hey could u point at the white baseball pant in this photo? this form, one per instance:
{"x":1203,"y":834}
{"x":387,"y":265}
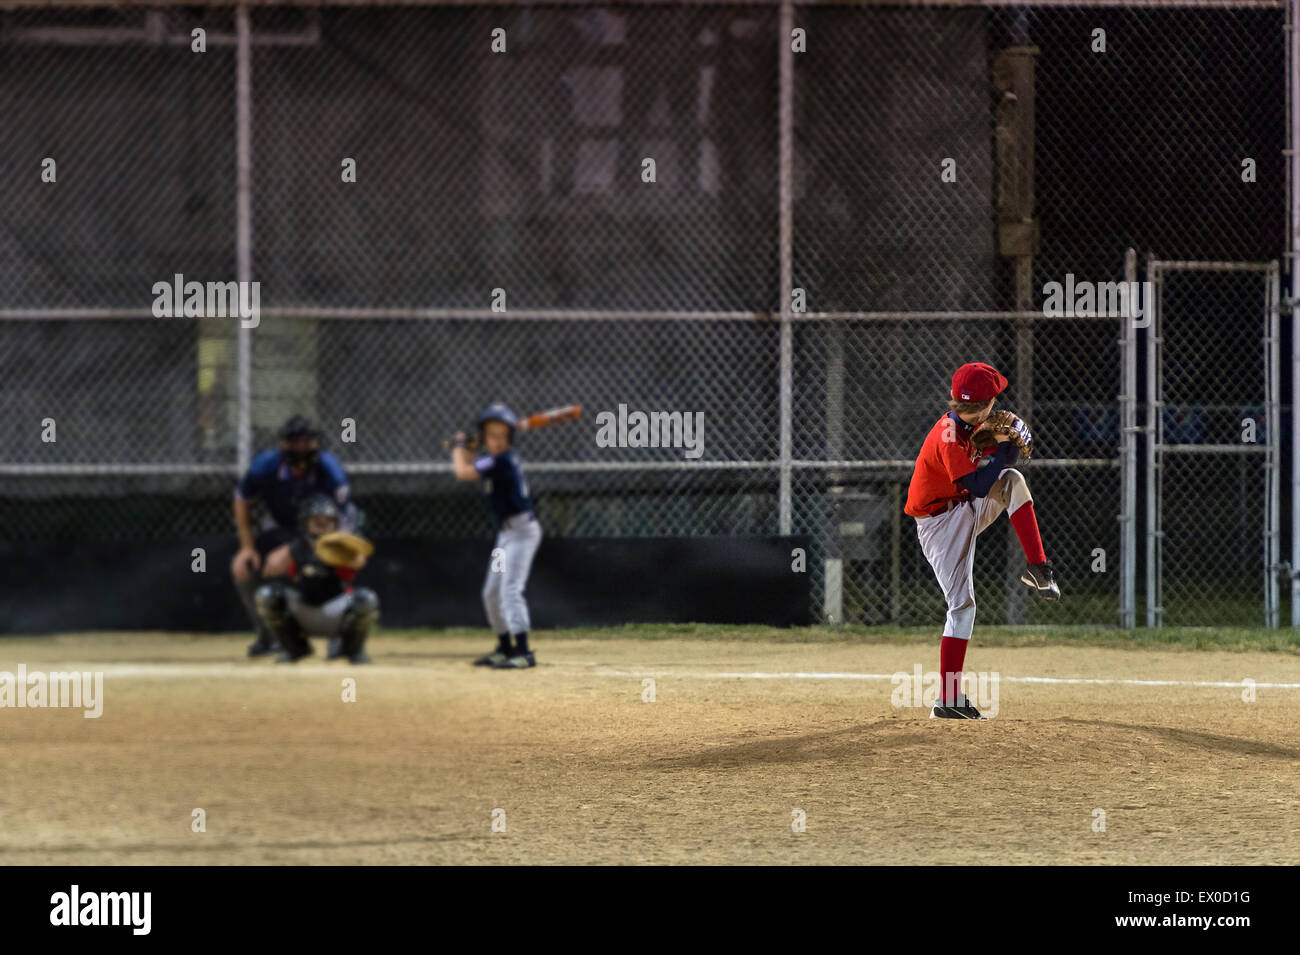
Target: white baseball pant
{"x":948,"y":542}
{"x":324,"y":620}
{"x":512,"y":557}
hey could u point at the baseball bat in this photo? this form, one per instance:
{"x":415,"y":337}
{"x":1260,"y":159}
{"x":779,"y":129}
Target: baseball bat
{"x":541,"y":419}
{"x":544,"y":419}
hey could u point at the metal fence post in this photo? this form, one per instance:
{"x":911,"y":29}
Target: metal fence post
{"x":1128,"y":449}
{"x":786,"y":121}
{"x":1293,"y":222}
{"x":1152,"y":437}
{"x":1272,"y":408}
{"x":244,"y":229}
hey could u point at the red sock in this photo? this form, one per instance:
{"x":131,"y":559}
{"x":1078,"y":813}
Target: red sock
{"x":1026,"y":525}
{"x":952,"y":654}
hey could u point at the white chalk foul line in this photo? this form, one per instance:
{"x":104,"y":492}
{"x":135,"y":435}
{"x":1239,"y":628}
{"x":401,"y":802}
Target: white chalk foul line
{"x":181,"y":670}
{"x":1238,"y":684}
{"x":169,"y":671}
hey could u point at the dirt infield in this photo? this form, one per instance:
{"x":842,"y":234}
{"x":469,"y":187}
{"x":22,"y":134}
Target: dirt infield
{"x":738,"y":737}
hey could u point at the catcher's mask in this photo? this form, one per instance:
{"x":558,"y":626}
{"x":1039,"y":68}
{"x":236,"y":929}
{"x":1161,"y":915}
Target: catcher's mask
{"x":318,"y":505}
{"x":497,"y":412}
{"x":300,"y":443}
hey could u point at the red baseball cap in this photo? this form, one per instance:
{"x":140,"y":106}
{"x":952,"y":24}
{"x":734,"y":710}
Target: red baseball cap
{"x":977,"y":381}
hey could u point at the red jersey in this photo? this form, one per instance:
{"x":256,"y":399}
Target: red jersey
{"x":944,"y":458}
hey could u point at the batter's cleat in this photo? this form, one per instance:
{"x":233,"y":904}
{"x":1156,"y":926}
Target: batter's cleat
{"x":359,"y":657}
{"x":962,"y":710}
{"x":293,"y":656}
{"x":335,"y":648}
{"x":491,"y":659}
{"x":519,"y":661}
{"x":1040,"y":578}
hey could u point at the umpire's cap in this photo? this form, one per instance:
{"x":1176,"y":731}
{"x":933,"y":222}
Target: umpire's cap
{"x":298,"y":427}
{"x":497,"y":412}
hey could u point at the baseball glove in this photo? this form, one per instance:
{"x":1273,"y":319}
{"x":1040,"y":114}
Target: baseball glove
{"x":1001,"y":422}
{"x":343,"y":549}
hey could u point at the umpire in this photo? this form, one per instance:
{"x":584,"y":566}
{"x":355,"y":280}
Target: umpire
{"x":281,"y":478}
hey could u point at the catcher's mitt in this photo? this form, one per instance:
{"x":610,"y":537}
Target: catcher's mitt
{"x":1001,"y":422}
{"x":343,"y":549}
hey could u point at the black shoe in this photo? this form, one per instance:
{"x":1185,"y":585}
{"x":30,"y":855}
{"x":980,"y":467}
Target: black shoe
{"x":264,"y":644}
{"x":491,"y":659}
{"x":359,"y":657}
{"x":1039,"y":577}
{"x":962,"y":710}
{"x":293,"y":656}
{"x":518,"y":661}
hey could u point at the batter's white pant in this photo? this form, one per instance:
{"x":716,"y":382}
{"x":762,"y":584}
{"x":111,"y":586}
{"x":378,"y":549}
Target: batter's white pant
{"x":512,"y":557}
{"x":948,"y":542}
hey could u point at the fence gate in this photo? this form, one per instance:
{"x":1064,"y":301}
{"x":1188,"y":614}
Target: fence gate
{"x":1212,"y":476}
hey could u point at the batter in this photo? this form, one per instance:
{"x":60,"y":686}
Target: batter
{"x":518,"y":533}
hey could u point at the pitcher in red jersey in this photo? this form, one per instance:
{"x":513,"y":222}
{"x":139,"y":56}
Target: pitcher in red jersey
{"x":955,"y":494}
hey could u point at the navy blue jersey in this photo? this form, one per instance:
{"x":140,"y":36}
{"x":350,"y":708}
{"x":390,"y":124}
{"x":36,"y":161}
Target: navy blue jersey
{"x":270,"y":481}
{"x":504,"y":485}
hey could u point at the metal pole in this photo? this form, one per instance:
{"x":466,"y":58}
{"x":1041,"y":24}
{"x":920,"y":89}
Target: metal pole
{"x":834,"y":576}
{"x":786,"y":185}
{"x":244,"y":230}
{"x":1293,"y":142}
{"x":1024,"y":384}
{"x":1152,"y":438}
{"x":895,"y":553}
{"x":1274,"y":555}
{"x":1128,"y":454}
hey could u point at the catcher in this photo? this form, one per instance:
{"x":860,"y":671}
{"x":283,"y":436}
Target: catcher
{"x":315,"y":597}
{"x":962,"y":481}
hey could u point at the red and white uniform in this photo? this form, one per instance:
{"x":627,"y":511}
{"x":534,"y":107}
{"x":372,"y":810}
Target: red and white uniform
{"x":949,"y":518}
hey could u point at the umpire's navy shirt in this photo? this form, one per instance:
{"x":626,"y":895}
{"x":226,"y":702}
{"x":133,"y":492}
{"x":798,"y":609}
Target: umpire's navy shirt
{"x":270,"y":480}
{"x":504,"y":485}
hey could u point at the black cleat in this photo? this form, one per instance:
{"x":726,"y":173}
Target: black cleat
{"x":293,"y":656}
{"x":491,"y":659}
{"x":264,"y":645}
{"x":519,"y":661}
{"x":359,"y":657}
{"x":962,"y":710}
{"x":1040,"y":578}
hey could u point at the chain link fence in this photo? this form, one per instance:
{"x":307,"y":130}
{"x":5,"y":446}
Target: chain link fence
{"x":504,"y":238}
{"x":1214,"y":532}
